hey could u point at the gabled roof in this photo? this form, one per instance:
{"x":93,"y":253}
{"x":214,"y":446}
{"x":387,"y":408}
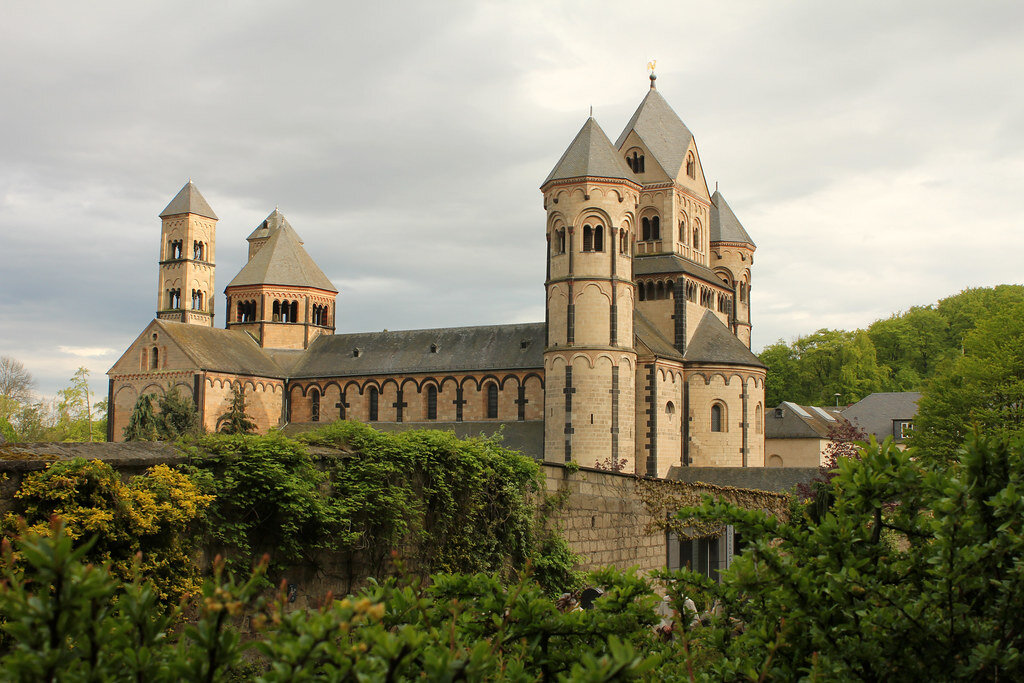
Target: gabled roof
{"x":875,"y":413}
{"x":712,"y":342}
{"x":270,"y":225}
{"x":283,"y":261}
{"x":673,"y":264}
{"x":662,"y":131}
{"x":443,"y":351}
{"x":725,"y":227}
{"x":792,"y":421}
{"x":590,"y":154}
{"x":189,"y":200}
{"x":647,"y":338}
{"x":220,"y":350}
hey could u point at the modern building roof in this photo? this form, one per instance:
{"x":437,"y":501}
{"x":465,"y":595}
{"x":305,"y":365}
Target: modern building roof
{"x":220,"y":350}
{"x":270,"y":225}
{"x":725,"y":227}
{"x":443,"y":350}
{"x":712,"y":342}
{"x":876,"y":413}
{"x":189,"y":200}
{"x":662,"y":131}
{"x":590,"y":154}
{"x":670,"y":264}
{"x":283,"y":261}
{"x":792,"y":421}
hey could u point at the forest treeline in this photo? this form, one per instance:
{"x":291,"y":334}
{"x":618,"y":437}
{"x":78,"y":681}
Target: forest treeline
{"x":899,"y":353}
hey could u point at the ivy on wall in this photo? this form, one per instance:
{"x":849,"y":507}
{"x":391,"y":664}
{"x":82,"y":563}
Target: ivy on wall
{"x":664,"y":499}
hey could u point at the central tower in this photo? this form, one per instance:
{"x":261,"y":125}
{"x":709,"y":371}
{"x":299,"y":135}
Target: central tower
{"x":591,"y":198}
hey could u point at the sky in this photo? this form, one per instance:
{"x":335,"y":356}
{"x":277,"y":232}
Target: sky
{"x":874,"y":151}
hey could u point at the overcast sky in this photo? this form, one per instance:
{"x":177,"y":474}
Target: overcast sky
{"x":873,"y":151}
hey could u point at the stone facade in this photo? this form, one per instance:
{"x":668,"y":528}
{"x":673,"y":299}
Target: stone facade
{"x":642,"y":360}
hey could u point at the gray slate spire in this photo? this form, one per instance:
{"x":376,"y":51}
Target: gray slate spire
{"x":269,"y":226}
{"x":590,"y":154}
{"x":712,"y":342}
{"x":189,"y":200}
{"x":662,"y":131}
{"x":725,"y":227}
{"x":283,"y":261}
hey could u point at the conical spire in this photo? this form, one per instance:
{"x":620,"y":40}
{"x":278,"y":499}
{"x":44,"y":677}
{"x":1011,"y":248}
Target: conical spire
{"x":590,"y":154}
{"x":189,"y":200}
{"x":725,"y":227}
{"x":270,"y":225}
{"x":283,"y":261}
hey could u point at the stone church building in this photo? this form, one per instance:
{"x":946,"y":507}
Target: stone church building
{"x":643,"y":356}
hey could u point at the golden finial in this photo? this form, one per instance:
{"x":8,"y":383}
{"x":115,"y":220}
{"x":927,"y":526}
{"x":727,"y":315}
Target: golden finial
{"x":650,"y":67}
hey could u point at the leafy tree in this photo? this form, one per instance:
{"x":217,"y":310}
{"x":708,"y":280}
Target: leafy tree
{"x":914,"y":573}
{"x":818,"y":366}
{"x":984,"y":387}
{"x":16,"y":381}
{"x":74,"y":410}
{"x":178,"y":415}
{"x":142,"y":425}
{"x":236,"y":420}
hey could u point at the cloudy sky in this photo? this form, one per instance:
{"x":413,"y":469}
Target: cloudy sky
{"x":873,"y":150}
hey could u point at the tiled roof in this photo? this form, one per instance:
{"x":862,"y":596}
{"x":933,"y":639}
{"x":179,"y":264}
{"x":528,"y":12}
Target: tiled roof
{"x":443,"y":350}
{"x":283,"y":261}
{"x":188,"y":200}
{"x":648,"y":338}
{"x":662,"y":131}
{"x":792,"y":421}
{"x":220,"y":350}
{"x":712,"y":342}
{"x":668,"y":264}
{"x":725,"y":227}
{"x":875,"y":413}
{"x":270,"y":225}
{"x":590,"y":154}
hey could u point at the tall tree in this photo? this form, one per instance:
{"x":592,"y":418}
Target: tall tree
{"x":16,"y":381}
{"x":236,"y":420}
{"x":178,"y":415}
{"x":142,"y":423}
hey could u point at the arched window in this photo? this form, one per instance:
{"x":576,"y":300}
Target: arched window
{"x":696,"y":238}
{"x":598,"y":238}
{"x":682,"y":231}
{"x":294,"y":317}
{"x":588,"y":238}
{"x":314,"y":405}
{"x":492,"y":401}
{"x":655,"y":228}
{"x":635,"y":161}
{"x":717,"y":418}
{"x":646,"y":225}
{"x":659,"y":290}
{"x":154,"y":359}
{"x":277,"y":311}
{"x":373,"y":404}
{"x":431,"y":402}
{"x":775,"y":461}
{"x":691,"y":166}
{"x":641,"y":292}
{"x":758,"y":425}
{"x":670,"y":408}
{"x":197,"y":250}
{"x":650,"y":291}
{"x":623,"y":241}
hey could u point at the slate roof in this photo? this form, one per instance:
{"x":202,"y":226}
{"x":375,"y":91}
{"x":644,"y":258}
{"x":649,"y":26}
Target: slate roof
{"x":712,"y":342}
{"x":662,"y":131}
{"x":488,"y":347}
{"x":270,"y":225}
{"x":671,"y":264}
{"x":875,"y":413}
{"x":590,"y":154}
{"x":786,"y":422}
{"x":647,"y":336}
{"x":283,"y":261}
{"x":220,"y":350}
{"x":189,"y":200}
{"x":725,"y":227}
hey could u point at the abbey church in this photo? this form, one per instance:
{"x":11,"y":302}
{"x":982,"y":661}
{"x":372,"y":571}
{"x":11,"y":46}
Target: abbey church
{"x":642,"y":361}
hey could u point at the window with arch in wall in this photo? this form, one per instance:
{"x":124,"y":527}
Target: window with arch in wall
{"x":758,"y":416}
{"x":593,"y":238}
{"x":373,"y":401}
{"x":635,"y":161}
{"x":314,"y":405}
{"x":431,"y":402}
{"x":696,"y":238}
{"x":492,"y":401}
{"x":655,"y":228}
{"x":154,"y":359}
{"x":670,"y":408}
{"x":623,"y":241}
{"x":717,"y":418}
{"x":691,"y":166}
{"x":682,"y":231}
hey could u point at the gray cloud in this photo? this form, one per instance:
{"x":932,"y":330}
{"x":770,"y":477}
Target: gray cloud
{"x":874,"y":151}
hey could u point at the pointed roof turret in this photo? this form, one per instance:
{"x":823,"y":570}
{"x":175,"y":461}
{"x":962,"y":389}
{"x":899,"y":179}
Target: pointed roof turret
{"x":725,"y":227}
{"x":189,"y":200}
{"x":270,"y":225}
{"x":283,"y":261}
{"x":662,"y":131}
{"x":712,"y":342}
{"x":590,"y":154}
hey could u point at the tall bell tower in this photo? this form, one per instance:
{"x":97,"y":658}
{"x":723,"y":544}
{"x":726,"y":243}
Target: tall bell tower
{"x":188,"y":234}
{"x":589,"y":358}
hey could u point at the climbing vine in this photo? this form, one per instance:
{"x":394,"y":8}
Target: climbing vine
{"x":664,"y":499}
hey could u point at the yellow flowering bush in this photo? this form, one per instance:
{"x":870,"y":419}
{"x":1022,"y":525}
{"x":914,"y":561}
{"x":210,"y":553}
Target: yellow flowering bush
{"x":154,"y":514}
